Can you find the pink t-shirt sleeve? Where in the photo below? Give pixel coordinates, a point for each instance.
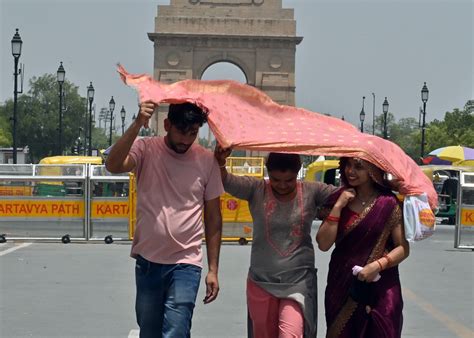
(137, 153)
(214, 186)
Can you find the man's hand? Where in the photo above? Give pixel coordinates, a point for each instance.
(221, 154)
(144, 114)
(212, 287)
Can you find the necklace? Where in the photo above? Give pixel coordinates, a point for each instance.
(367, 200)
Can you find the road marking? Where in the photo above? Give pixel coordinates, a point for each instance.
(134, 334)
(457, 328)
(7, 251)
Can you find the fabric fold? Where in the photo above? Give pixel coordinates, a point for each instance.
(243, 117)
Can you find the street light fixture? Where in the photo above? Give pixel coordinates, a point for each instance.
(373, 114)
(122, 115)
(90, 97)
(61, 75)
(111, 109)
(362, 115)
(16, 52)
(385, 112)
(424, 98)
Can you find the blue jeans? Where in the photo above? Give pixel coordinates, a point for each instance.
(166, 294)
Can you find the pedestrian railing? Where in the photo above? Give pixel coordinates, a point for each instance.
(80, 202)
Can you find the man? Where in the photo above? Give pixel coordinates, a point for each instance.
(176, 181)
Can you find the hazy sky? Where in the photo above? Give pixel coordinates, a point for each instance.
(350, 49)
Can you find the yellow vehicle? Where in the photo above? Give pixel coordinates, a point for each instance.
(326, 171)
(55, 166)
(445, 180)
(236, 218)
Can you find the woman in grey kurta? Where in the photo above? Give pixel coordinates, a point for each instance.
(283, 209)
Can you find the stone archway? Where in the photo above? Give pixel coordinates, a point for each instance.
(258, 36)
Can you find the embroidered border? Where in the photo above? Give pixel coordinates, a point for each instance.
(359, 218)
(379, 247)
(350, 305)
(342, 318)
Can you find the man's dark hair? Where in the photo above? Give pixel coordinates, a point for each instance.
(283, 162)
(185, 115)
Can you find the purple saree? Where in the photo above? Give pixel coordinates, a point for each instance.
(361, 239)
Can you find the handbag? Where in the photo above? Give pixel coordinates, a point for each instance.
(419, 219)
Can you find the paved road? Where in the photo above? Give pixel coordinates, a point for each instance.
(87, 290)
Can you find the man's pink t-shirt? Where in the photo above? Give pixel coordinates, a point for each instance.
(171, 190)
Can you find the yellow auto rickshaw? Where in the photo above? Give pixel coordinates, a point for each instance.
(445, 180)
(326, 171)
(57, 166)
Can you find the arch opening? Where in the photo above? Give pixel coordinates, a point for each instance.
(219, 71)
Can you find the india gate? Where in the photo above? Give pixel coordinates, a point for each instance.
(257, 36)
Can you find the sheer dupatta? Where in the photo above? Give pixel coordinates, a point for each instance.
(361, 240)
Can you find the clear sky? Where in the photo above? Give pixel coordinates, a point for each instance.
(350, 49)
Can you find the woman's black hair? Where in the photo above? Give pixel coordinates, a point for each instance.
(283, 162)
(184, 115)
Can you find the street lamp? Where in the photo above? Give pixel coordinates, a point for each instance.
(61, 74)
(122, 115)
(362, 116)
(16, 52)
(373, 114)
(385, 111)
(424, 98)
(90, 97)
(111, 109)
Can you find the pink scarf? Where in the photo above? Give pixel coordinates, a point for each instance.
(243, 117)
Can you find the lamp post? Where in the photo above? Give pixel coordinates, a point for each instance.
(61, 74)
(90, 97)
(80, 147)
(111, 109)
(373, 114)
(122, 115)
(424, 98)
(385, 112)
(362, 115)
(16, 52)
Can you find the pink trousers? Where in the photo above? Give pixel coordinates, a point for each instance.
(273, 317)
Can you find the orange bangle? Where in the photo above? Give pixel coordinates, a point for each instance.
(389, 260)
(380, 265)
(330, 218)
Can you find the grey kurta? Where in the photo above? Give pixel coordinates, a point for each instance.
(282, 258)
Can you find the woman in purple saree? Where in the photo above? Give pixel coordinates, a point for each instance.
(365, 222)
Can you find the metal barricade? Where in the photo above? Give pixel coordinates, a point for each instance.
(109, 204)
(67, 202)
(42, 202)
(464, 234)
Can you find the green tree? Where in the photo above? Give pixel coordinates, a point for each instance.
(457, 128)
(38, 119)
(405, 133)
(5, 133)
(379, 124)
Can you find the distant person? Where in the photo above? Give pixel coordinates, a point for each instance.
(450, 187)
(282, 279)
(178, 182)
(364, 221)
